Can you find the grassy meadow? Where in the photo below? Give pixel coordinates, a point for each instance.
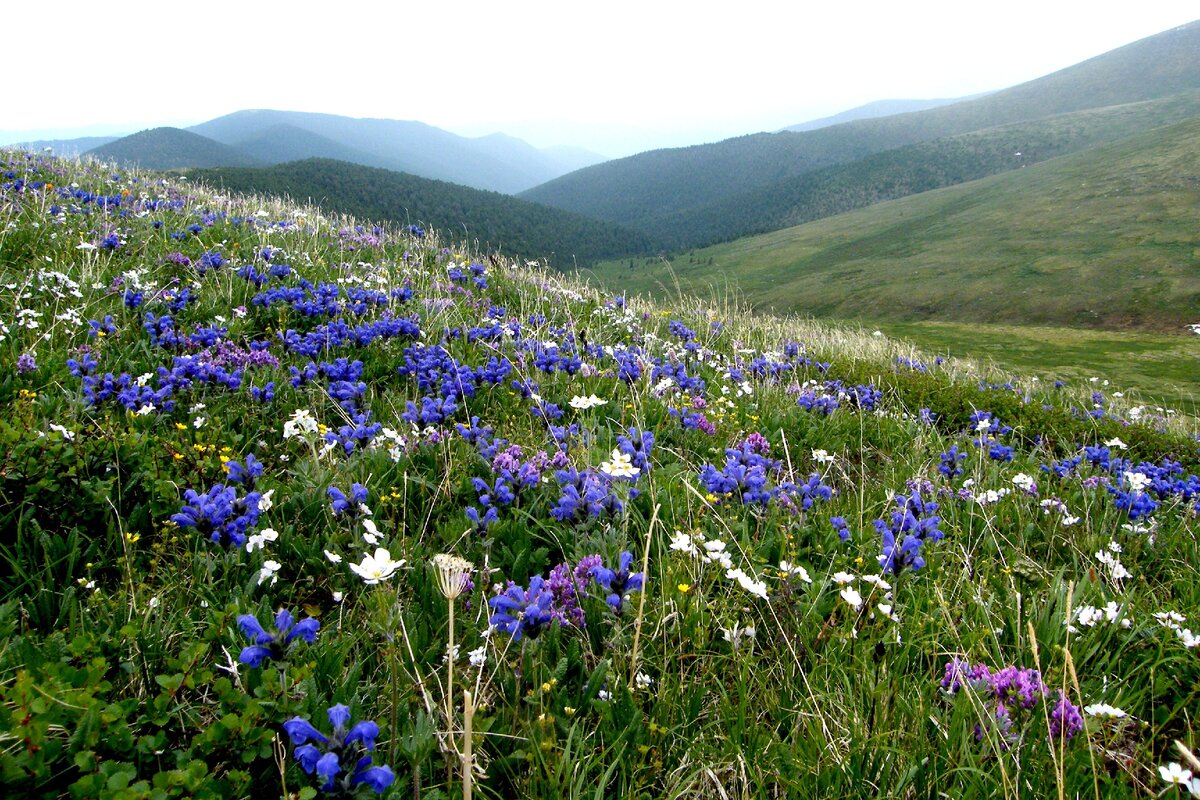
(297, 505)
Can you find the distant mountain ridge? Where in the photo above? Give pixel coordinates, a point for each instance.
(647, 190)
(496, 162)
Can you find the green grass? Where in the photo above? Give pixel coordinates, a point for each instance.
(1159, 370)
(1101, 239)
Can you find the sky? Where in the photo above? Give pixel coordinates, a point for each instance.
(615, 77)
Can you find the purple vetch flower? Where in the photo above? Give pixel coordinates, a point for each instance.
(1065, 719)
(26, 364)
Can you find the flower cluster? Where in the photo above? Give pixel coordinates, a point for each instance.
(342, 760)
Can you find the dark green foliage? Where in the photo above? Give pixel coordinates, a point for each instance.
(485, 219)
(171, 148)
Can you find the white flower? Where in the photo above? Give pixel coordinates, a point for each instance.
(301, 422)
(257, 541)
(153, 603)
(878, 581)
(789, 568)
(620, 466)
(478, 656)
(377, 567)
(265, 501)
(683, 543)
(333, 557)
(886, 610)
(643, 681)
(1025, 483)
(198, 422)
(851, 596)
(737, 633)
(1137, 482)
(337, 597)
(591, 401)
(371, 534)
(1173, 773)
(269, 568)
(1117, 443)
(842, 578)
(1103, 710)
(66, 434)
(822, 457)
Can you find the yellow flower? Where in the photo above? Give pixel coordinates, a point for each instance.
(684, 587)
(179, 426)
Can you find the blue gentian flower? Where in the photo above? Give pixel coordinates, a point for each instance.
(273, 646)
(327, 756)
(617, 583)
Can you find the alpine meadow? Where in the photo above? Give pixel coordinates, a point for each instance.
(856, 460)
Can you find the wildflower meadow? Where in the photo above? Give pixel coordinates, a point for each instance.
(295, 505)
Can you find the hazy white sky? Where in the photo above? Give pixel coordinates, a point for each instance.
(615, 77)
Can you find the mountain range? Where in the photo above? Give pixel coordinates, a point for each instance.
(496, 162)
(674, 194)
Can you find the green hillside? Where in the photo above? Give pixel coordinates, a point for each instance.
(1106, 238)
(643, 189)
(492, 220)
(913, 169)
(171, 148)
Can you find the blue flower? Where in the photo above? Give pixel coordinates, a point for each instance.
(273, 646)
(524, 612)
(617, 583)
(345, 745)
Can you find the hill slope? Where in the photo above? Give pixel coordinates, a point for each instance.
(494, 220)
(171, 148)
(913, 169)
(496, 163)
(878, 108)
(1102, 238)
(666, 182)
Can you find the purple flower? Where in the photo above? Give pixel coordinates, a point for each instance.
(1065, 719)
(26, 364)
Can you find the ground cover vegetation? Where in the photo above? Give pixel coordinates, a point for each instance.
(297, 505)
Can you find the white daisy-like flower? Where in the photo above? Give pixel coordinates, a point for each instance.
(619, 465)
(823, 457)
(591, 401)
(257, 541)
(1104, 710)
(852, 597)
(377, 567)
(1174, 773)
(788, 568)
